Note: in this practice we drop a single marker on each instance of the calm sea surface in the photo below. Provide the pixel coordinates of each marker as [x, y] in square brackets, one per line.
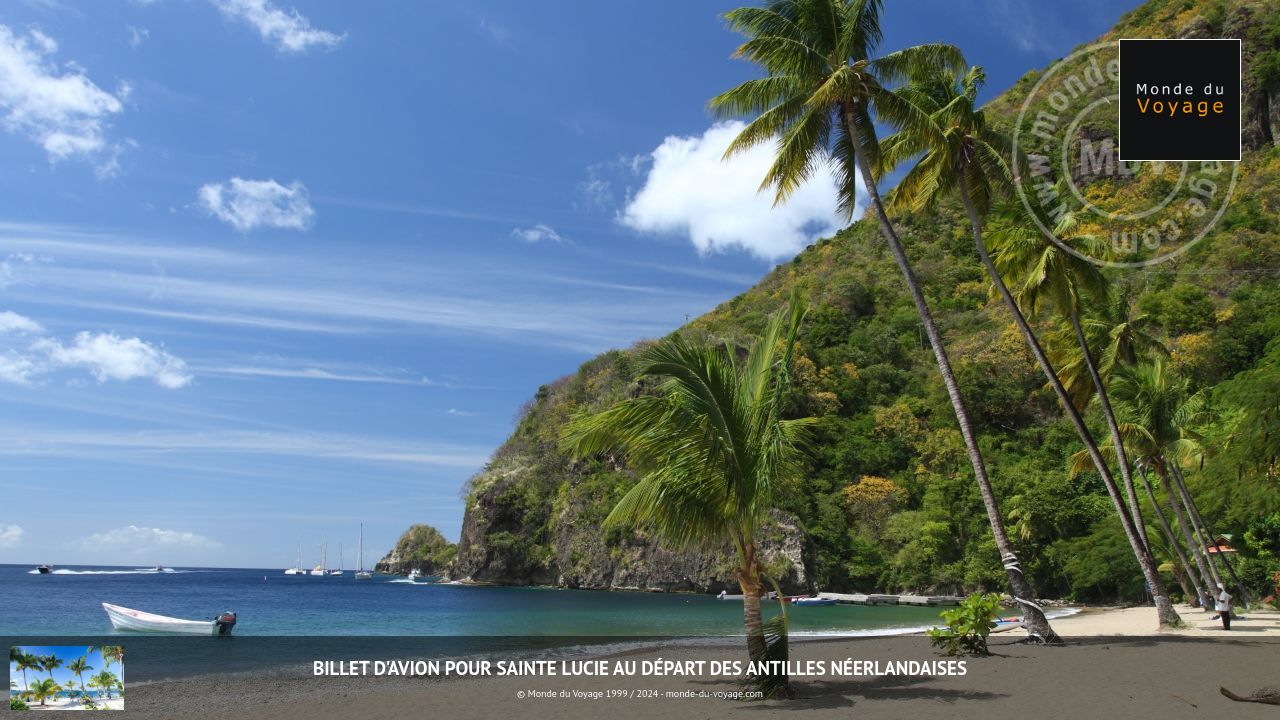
[69, 602]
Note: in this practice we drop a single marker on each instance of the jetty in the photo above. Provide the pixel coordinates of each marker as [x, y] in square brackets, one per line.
[920, 600]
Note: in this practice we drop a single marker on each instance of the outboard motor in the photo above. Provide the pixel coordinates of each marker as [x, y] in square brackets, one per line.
[225, 622]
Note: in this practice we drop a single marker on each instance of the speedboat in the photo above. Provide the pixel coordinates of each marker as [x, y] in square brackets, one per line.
[414, 576]
[123, 618]
[44, 569]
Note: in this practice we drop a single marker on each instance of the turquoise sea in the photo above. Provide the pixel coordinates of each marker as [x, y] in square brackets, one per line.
[269, 603]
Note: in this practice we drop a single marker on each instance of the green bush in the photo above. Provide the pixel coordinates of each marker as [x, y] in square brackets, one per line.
[967, 626]
[17, 704]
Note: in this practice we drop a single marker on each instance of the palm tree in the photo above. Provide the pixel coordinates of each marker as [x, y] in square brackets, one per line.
[1047, 273]
[111, 654]
[49, 663]
[821, 86]
[711, 450]
[105, 680]
[79, 667]
[44, 689]
[24, 662]
[960, 154]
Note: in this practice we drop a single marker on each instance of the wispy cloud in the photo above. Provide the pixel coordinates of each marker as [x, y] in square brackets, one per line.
[61, 109]
[537, 233]
[249, 204]
[137, 35]
[144, 541]
[29, 441]
[10, 536]
[287, 31]
[12, 322]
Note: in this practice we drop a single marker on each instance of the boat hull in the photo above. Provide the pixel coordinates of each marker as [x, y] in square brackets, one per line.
[128, 619]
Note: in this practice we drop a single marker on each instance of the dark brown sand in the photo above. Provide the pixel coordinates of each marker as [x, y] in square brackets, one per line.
[1167, 677]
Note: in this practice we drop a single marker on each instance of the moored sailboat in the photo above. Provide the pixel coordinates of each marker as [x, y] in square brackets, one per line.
[361, 573]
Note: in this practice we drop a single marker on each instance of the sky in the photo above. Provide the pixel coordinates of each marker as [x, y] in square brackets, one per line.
[61, 675]
[270, 269]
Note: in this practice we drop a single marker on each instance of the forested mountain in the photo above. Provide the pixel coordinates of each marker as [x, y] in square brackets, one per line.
[888, 501]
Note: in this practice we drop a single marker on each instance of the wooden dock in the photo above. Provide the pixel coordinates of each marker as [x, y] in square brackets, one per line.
[920, 600]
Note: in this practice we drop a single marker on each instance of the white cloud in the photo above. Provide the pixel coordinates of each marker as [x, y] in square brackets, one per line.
[460, 413]
[17, 369]
[248, 204]
[691, 190]
[59, 108]
[137, 35]
[537, 233]
[10, 536]
[287, 31]
[142, 540]
[110, 357]
[12, 322]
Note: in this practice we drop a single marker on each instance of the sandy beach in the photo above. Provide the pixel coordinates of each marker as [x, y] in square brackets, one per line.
[73, 704]
[1112, 665]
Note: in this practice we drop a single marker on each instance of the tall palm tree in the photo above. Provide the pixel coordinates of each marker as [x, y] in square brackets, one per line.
[1174, 545]
[822, 85]
[960, 154]
[111, 654]
[1045, 273]
[711, 450]
[49, 663]
[79, 667]
[24, 662]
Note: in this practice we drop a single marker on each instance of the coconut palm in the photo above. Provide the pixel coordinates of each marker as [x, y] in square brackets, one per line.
[49, 663]
[1044, 273]
[24, 662]
[44, 689]
[79, 667]
[822, 85]
[960, 154]
[105, 680]
[711, 451]
[111, 654]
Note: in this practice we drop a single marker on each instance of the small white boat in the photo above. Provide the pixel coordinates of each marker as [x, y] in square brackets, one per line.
[813, 601]
[414, 576]
[123, 618]
[339, 571]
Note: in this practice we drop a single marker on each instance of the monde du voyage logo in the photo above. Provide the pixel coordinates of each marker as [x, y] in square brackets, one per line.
[1180, 100]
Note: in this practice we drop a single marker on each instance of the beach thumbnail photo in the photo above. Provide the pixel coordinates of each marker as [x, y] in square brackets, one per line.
[66, 677]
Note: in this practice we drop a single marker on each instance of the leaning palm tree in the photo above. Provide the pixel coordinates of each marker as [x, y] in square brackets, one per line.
[1044, 273]
[960, 154]
[712, 450]
[821, 87]
[79, 667]
[111, 654]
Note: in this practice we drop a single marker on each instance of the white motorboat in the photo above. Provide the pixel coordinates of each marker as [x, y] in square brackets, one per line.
[361, 573]
[123, 618]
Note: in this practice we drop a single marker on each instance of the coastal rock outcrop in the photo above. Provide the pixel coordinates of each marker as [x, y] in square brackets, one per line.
[420, 548]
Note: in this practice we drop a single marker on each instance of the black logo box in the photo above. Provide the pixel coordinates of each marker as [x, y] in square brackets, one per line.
[1180, 63]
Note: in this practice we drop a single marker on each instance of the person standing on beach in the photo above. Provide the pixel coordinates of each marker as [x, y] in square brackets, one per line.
[1223, 606]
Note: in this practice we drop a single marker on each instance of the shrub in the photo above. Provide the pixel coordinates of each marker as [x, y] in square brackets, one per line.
[17, 704]
[967, 626]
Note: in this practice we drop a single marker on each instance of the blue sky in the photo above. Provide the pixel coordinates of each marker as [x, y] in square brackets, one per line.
[269, 269]
[61, 675]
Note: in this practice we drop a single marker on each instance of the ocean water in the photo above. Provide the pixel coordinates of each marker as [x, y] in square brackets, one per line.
[269, 603]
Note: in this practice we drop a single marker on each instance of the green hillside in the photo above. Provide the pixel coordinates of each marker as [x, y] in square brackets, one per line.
[888, 502]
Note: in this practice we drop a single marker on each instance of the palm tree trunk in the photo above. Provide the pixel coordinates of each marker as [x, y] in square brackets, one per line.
[1201, 597]
[1207, 533]
[752, 588]
[1168, 617]
[1189, 507]
[1135, 507]
[1162, 470]
[1033, 619]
